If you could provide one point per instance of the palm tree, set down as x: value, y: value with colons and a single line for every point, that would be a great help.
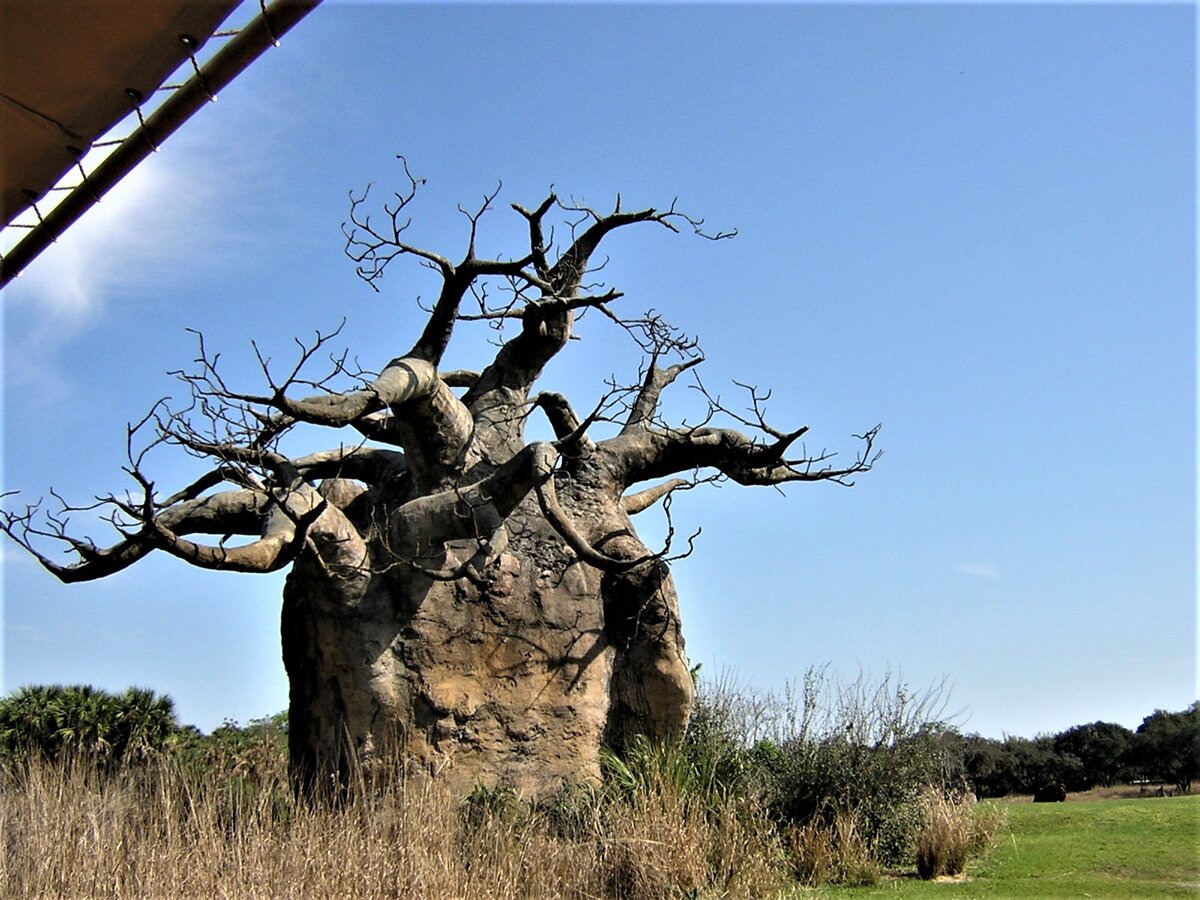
x: 145, y: 721
x: 85, y: 721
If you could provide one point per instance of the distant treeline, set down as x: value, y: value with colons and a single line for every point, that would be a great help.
x: 1165, y: 749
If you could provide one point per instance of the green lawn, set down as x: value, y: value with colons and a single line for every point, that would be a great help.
x: 1093, y: 848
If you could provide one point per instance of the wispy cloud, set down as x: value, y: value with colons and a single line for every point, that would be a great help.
x: 128, y: 245
x: 70, y: 280
x: 979, y: 570
x: 122, y: 244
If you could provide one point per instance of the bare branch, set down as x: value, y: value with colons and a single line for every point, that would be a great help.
x: 546, y: 321
x: 227, y: 513
x: 537, y: 241
x: 543, y: 464
x: 372, y: 248
x: 367, y: 464
x: 646, y: 404
x: 460, y: 378
x: 660, y: 453
x: 93, y: 562
x: 253, y: 419
x: 643, y: 500
x: 562, y: 417
x: 571, y: 432
x: 282, y: 539
x: 568, y: 272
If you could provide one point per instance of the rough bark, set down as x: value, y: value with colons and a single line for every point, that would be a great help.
x: 479, y: 603
x: 512, y: 675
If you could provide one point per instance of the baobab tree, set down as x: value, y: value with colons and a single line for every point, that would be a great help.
x: 475, y: 600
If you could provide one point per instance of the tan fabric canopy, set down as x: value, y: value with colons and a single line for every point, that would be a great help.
x: 66, y: 70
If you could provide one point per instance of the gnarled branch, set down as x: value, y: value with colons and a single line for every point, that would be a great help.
x: 641, y: 456
x: 228, y: 513
x: 643, y: 500
x: 646, y: 403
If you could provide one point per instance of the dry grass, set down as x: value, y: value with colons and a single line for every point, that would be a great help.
x: 164, y: 832
x: 215, y: 817
x: 833, y: 852
x: 952, y: 830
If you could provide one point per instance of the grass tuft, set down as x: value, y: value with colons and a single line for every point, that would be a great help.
x: 832, y: 851
x: 953, y: 829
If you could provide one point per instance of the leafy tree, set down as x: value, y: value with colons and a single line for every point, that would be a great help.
x: 1167, y: 746
x: 1014, y: 765
x: 457, y: 590
x: 1081, y: 757
x: 1099, y: 748
x: 980, y: 762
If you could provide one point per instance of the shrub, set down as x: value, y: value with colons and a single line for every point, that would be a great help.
x: 839, y: 767
x: 859, y: 750
x: 85, y: 722
x: 251, y: 751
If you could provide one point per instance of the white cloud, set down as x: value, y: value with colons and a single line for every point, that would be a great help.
x: 170, y: 207
x: 979, y: 570
x: 109, y: 245
x: 121, y: 244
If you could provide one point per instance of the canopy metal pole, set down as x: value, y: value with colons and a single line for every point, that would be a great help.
x: 249, y: 44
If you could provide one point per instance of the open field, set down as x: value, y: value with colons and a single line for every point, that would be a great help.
x: 1088, y: 848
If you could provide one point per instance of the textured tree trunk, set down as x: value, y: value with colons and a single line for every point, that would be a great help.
x: 514, y: 679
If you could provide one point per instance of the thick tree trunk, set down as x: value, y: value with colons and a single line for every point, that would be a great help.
x: 515, y: 679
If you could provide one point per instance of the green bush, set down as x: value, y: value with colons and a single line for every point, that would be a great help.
x: 85, y: 722
x: 249, y: 751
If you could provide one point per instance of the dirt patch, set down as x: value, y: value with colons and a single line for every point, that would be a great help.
x: 960, y: 878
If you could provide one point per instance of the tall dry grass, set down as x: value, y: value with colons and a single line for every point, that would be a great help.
x: 832, y: 850
x: 953, y: 829
x: 760, y: 795
x: 163, y: 831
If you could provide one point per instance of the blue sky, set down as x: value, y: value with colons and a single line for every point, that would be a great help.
x: 974, y: 224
